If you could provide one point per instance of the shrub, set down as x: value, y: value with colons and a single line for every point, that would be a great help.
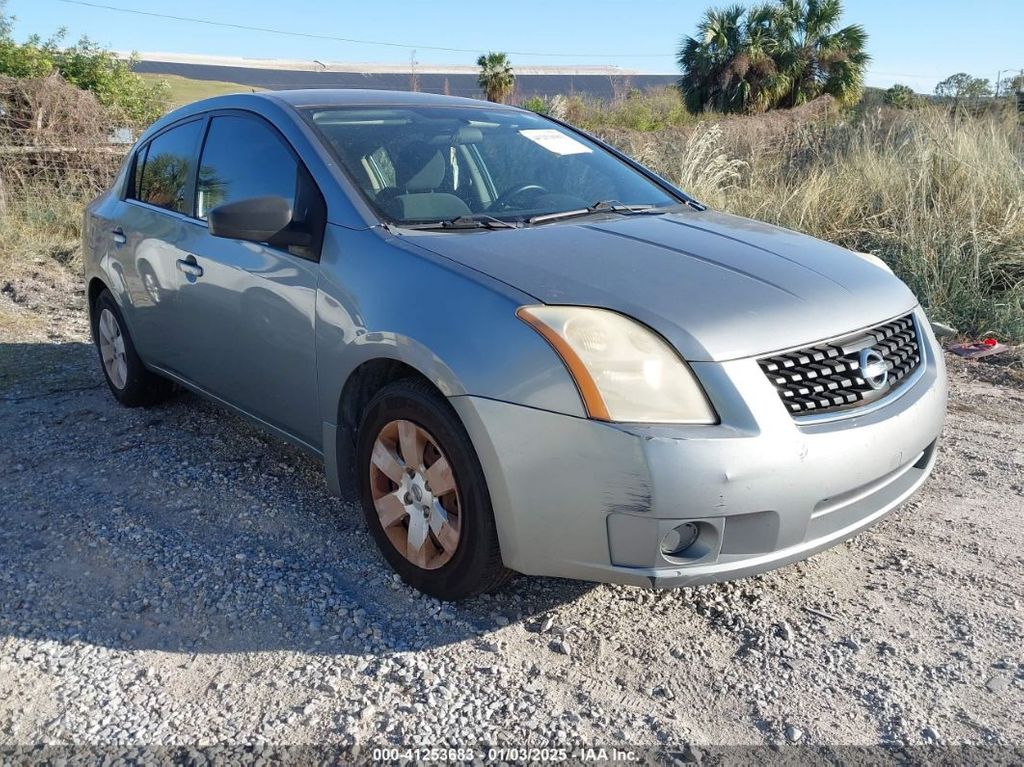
x: 55, y: 155
x: 537, y: 104
x: 901, y: 97
x: 651, y: 110
x: 86, y: 65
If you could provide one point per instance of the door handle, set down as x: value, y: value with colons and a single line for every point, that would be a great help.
x: 119, y: 238
x: 189, y: 267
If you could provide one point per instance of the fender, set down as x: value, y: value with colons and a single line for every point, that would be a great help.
x: 338, y: 436
x: 380, y: 297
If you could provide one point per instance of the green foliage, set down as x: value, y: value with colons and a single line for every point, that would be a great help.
x: 963, y: 86
x: 90, y: 67
x: 86, y: 65
x: 773, y: 55
x: 496, y: 76
x: 33, y: 58
x: 537, y: 104
x: 650, y: 110
x: 901, y: 97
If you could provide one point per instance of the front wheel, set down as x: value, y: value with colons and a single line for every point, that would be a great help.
x: 424, y: 494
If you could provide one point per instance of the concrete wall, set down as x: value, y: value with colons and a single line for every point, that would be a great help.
x: 600, y: 86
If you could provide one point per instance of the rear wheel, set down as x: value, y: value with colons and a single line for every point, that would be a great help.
x: 424, y: 494
x: 129, y: 380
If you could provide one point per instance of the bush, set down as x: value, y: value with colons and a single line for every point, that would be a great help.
x: 537, y: 104
x: 55, y: 155
x: 901, y: 97
x: 651, y: 110
x: 131, y: 99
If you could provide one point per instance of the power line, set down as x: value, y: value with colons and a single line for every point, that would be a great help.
x: 333, y: 38
x: 407, y: 46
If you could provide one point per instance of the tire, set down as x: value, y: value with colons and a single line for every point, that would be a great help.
x: 439, y: 567
x: 128, y: 379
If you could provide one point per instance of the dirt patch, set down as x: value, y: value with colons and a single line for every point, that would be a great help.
x: 42, y: 301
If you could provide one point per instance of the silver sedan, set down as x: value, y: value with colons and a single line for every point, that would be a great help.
x: 521, y: 349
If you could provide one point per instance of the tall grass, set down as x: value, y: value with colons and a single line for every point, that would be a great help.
x: 939, y: 196
x: 55, y: 155
x: 41, y: 223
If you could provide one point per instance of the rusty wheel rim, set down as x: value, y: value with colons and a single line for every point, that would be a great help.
x: 415, y: 494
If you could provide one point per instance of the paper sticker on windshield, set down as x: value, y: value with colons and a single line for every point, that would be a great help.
x: 555, y: 141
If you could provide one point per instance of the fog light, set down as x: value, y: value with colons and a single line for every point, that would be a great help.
x: 679, y: 539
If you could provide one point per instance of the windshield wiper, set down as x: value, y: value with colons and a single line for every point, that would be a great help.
x: 601, y: 206
x: 478, y: 221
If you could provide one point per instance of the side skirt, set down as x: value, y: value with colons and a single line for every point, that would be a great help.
x: 269, y: 427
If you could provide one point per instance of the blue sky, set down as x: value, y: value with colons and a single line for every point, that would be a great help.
x: 917, y: 42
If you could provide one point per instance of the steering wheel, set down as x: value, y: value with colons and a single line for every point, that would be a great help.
x: 503, y: 199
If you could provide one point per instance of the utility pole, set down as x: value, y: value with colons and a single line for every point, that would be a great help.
x: 414, y: 79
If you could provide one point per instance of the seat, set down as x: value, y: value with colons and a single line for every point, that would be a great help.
x: 420, y: 171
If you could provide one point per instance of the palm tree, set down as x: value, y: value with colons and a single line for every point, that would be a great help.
x: 772, y: 55
x: 496, y: 76
x: 709, y: 62
x: 731, y: 68
x: 815, y: 56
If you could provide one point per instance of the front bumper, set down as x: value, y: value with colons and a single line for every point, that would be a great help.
x: 583, y: 499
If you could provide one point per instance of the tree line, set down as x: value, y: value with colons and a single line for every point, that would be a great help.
x: 774, y: 55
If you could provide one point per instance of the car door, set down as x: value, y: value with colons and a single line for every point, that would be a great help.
x: 151, y: 235
x: 247, y: 308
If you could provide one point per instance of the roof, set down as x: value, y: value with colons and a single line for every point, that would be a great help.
x: 357, y: 97
x: 317, y: 97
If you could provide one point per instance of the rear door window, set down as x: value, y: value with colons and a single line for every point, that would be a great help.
x: 167, y: 169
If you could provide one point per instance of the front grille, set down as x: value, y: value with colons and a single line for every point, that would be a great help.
x: 828, y: 377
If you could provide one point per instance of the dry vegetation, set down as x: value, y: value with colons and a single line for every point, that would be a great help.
x: 938, y: 195
x: 55, y: 155
x: 56, y: 150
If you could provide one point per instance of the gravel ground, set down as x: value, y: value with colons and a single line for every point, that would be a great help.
x: 173, y: 576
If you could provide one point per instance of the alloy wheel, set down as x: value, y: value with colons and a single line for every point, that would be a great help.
x: 115, y: 360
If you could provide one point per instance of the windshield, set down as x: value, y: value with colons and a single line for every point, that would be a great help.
x: 419, y: 165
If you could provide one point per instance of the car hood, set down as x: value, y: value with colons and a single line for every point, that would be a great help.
x: 717, y: 286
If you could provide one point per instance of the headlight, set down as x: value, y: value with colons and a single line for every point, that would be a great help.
x: 873, y: 259
x: 623, y: 370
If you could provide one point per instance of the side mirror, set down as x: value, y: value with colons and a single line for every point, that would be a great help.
x: 257, y: 219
